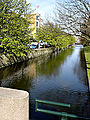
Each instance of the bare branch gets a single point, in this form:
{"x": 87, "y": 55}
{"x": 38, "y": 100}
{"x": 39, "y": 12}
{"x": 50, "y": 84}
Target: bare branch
{"x": 74, "y": 17}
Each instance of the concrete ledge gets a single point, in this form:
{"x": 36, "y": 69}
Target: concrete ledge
{"x": 14, "y": 104}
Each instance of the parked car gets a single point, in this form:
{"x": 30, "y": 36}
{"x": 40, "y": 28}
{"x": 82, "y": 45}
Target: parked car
{"x": 33, "y": 45}
{"x": 47, "y": 45}
{"x": 41, "y": 45}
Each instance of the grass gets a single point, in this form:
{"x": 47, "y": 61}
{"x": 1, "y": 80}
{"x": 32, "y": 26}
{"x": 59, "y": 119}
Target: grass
{"x": 87, "y": 56}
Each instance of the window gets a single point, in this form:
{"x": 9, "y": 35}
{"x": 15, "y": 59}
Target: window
{"x": 37, "y": 17}
{"x": 37, "y": 24}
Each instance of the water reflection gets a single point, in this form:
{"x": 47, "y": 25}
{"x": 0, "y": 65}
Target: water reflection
{"x": 59, "y": 77}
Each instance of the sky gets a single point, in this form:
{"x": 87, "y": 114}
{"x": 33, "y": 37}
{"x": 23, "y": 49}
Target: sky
{"x": 46, "y": 7}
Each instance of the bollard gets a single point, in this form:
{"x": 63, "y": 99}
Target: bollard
{"x": 14, "y": 104}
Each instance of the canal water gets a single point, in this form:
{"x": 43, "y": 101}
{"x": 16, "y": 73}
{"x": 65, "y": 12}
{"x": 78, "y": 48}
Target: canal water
{"x": 59, "y": 77}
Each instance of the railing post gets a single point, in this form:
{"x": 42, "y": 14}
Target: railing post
{"x": 36, "y": 105}
{"x": 63, "y": 118}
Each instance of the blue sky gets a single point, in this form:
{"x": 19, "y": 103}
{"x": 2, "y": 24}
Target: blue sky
{"x": 46, "y": 7}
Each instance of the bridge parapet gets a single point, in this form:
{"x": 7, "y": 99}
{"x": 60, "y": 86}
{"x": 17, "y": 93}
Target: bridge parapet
{"x": 14, "y": 104}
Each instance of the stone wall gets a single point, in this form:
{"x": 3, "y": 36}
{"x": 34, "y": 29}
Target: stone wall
{"x": 7, "y": 60}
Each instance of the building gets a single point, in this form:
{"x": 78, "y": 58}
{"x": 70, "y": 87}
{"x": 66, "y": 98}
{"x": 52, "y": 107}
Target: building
{"x": 35, "y": 21}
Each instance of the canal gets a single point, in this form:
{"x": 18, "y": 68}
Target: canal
{"x": 59, "y": 77}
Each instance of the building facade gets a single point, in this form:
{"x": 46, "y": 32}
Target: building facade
{"x": 35, "y": 21}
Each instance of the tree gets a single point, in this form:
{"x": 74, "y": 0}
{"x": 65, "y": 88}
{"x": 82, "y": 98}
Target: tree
{"x": 73, "y": 15}
{"x": 14, "y": 29}
{"x": 85, "y": 39}
{"x": 52, "y": 33}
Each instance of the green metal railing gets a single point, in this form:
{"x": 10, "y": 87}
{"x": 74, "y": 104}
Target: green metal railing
{"x": 63, "y": 115}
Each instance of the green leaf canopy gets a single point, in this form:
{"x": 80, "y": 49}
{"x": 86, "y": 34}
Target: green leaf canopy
{"x": 14, "y": 28}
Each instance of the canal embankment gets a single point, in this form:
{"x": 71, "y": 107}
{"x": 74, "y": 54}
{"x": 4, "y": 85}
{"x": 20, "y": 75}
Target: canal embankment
{"x": 7, "y": 59}
{"x": 87, "y": 57}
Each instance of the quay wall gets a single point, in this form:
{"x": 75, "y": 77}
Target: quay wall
{"x": 7, "y": 60}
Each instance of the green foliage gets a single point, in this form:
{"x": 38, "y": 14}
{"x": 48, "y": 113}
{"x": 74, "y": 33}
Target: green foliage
{"x": 51, "y": 33}
{"x": 87, "y": 57}
{"x": 14, "y": 29}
